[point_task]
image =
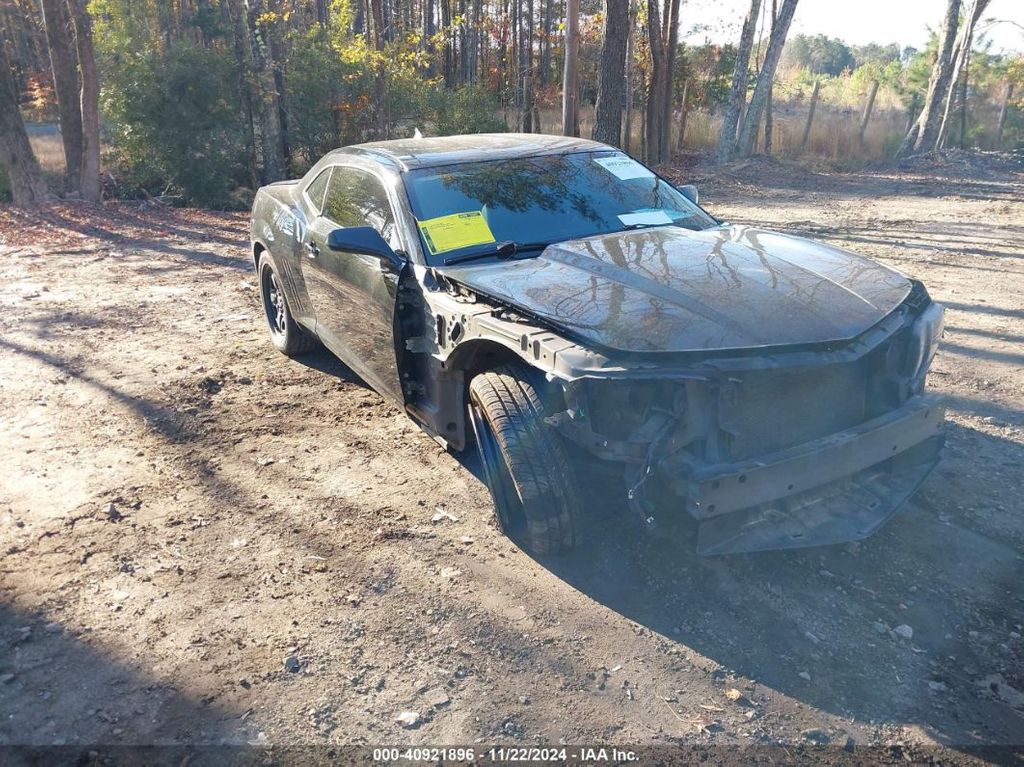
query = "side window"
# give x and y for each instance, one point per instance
(318, 189)
(358, 198)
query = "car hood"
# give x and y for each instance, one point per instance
(674, 290)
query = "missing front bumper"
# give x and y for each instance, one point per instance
(837, 489)
(839, 512)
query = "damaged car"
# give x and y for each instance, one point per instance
(563, 308)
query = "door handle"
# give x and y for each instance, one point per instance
(312, 250)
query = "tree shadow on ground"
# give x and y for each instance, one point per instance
(64, 689)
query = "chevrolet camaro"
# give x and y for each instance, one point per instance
(563, 307)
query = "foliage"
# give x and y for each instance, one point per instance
(327, 98)
(709, 69)
(174, 121)
(819, 54)
(469, 109)
(185, 91)
(873, 53)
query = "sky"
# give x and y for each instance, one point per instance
(855, 21)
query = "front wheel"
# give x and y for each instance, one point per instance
(535, 492)
(286, 334)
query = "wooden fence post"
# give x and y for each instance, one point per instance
(810, 115)
(867, 112)
(1007, 95)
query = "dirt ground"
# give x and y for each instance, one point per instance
(204, 542)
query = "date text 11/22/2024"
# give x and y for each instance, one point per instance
(503, 754)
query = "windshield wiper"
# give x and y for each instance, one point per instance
(632, 227)
(503, 250)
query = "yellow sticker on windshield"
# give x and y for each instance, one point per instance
(459, 230)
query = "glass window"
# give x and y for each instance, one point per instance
(316, 190)
(547, 198)
(357, 198)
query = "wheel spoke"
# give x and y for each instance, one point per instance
(274, 303)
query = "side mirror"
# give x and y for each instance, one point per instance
(364, 240)
(689, 191)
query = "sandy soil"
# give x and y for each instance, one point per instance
(205, 542)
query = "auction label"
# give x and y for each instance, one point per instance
(623, 167)
(459, 230)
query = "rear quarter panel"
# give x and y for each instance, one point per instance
(278, 226)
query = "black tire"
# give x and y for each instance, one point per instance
(288, 336)
(536, 496)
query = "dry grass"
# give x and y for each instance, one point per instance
(834, 133)
(48, 149)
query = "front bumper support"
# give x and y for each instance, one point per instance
(839, 488)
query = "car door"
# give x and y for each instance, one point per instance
(353, 295)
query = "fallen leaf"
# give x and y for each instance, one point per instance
(737, 697)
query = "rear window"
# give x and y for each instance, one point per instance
(317, 190)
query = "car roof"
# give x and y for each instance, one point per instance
(427, 152)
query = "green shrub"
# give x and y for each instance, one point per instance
(174, 121)
(321, 105)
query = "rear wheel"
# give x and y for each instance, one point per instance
(286, 334)
(535, 492)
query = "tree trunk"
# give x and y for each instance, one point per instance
(16, 158)
(463, 36)
(380, 99)
(66, 87)
(961, 57)
(654, 44)
(276, 57)
(611, 93)
(545, 53)
(570, 74)
(963, 99)
(90, 102)
(428, 34)
(684, 112)
(232, 18)
(922, 135)
(769, 125)
(662, 37)
(738, 91)
(627, 138)
(810, 115)
(474, 42)
(671, 31)
(866, 117)
(752, 119)
(961, 62)
(446, 26)
(270, 113)
(911, 113)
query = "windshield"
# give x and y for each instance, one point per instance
(530, 201)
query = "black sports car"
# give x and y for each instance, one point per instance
(556, 302)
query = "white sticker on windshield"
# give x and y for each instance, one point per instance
(645, 218)
(623, 167)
